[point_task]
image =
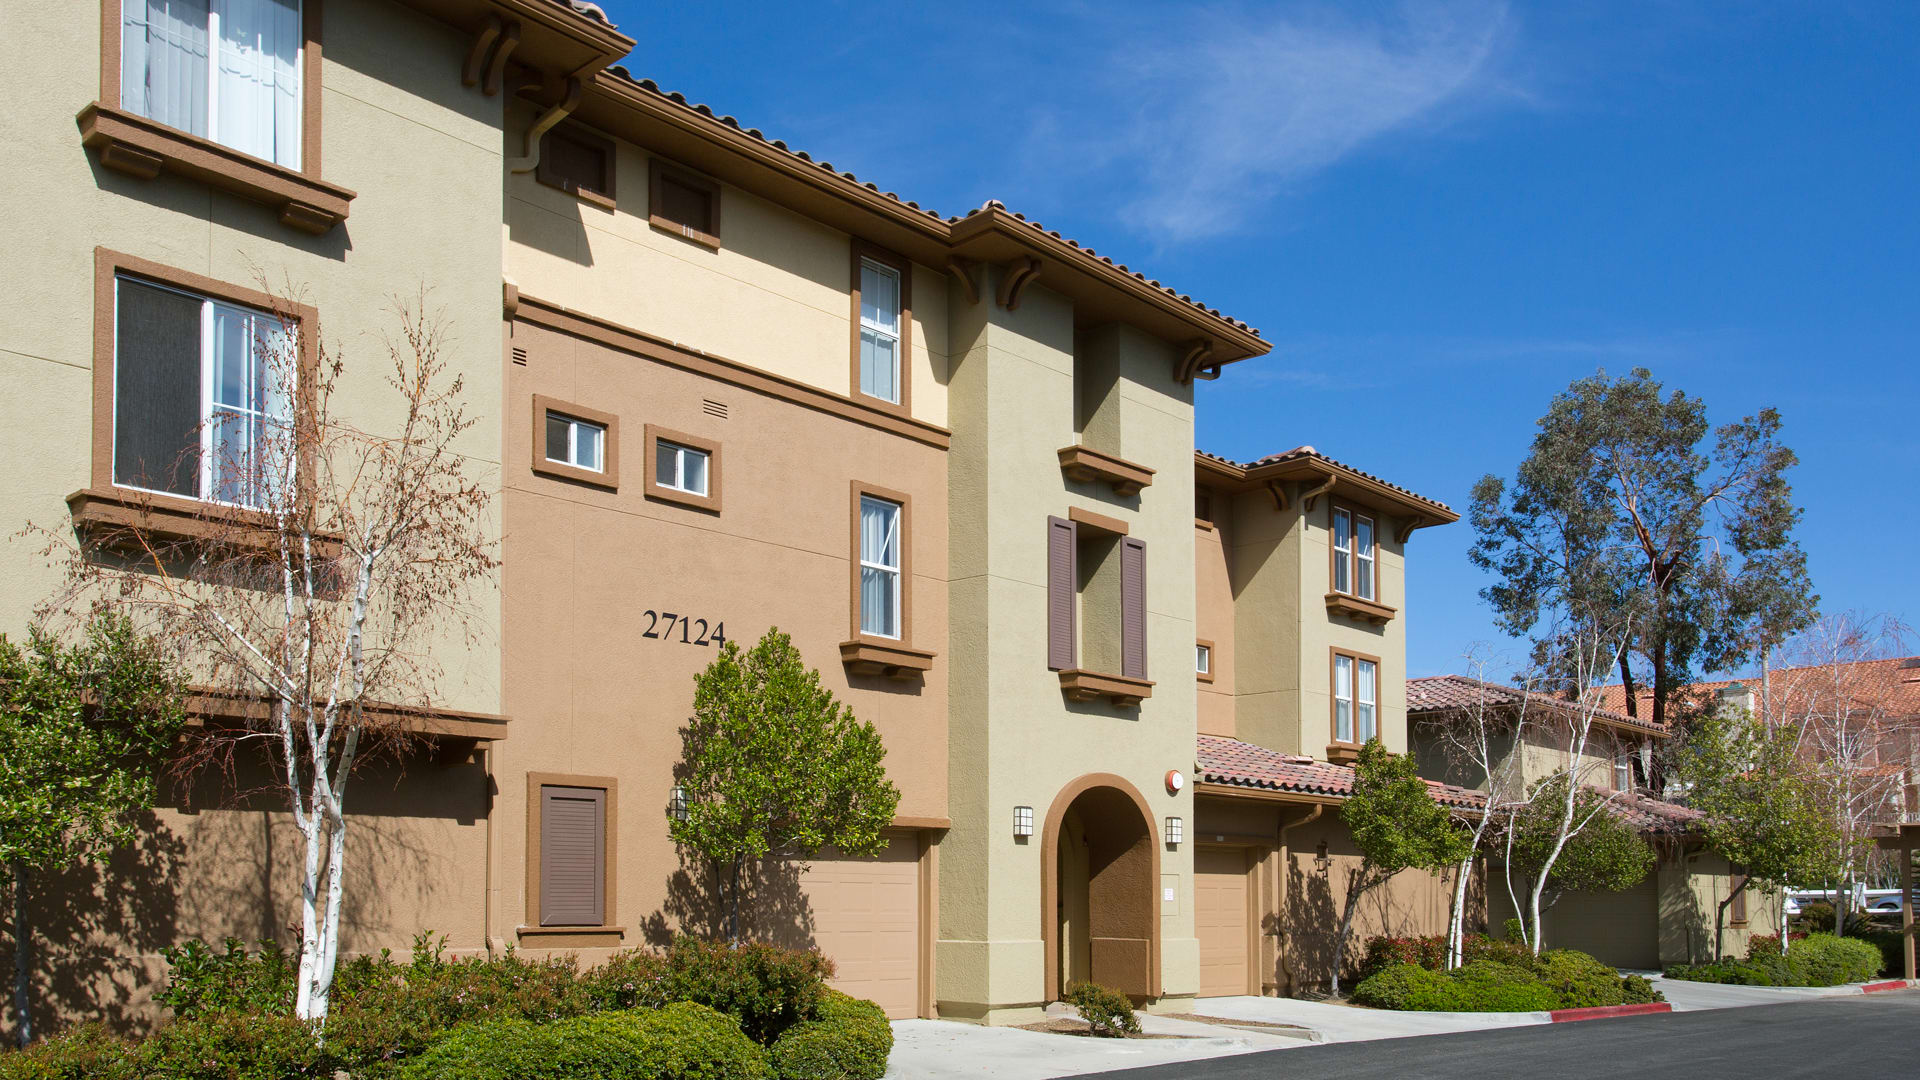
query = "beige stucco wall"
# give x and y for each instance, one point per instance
(775, 296)
(422, 154)
(1015, 739)
(1214, 620)
(592, 697)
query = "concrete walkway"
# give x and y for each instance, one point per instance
(946, 1049)
(1693, 996)
(1348, 1023)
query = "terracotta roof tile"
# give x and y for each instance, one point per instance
(1890, 687)
(1650, 815)
(1220, 760)
(1303, 453)
(1440, 693)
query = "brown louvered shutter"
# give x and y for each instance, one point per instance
(573, 825)
(1061, 588)
(1133, 608)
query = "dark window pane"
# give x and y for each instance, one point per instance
(557, 438)
(577, 164)
(156, 389)
(686, 205)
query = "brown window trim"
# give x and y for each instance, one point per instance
(545, 173)
(1089, 521)
(709, 502)
(658, 172)
(1737, 914)
(140, 147)
(1213, 655)
(560, 470)
(869, 653)
(562, 935)
(1086, 466)
(1361, 603)
(104, 503)
(1125, 691)
(1336, 749)
(861, 249)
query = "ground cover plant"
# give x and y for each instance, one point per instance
(695, 1010)
(1107, 1012)
(1406, 974)
(1817, 960)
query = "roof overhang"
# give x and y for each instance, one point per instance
(1319, 476)
(547, 36)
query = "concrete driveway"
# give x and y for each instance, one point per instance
(946, 1049)
(1693, 996)
(1348, 1023)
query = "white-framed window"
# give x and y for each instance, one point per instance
(202, 396)
(576, 442)
(879, 567)
(1355, 697)
(1353, 554)
(681, 468)
(225, 70)
(1623, 771)
(879, 330)
(1202, 660)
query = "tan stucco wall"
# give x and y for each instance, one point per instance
(422, 153)
(1214, 621)
(591, 696)
(1015, 740)
(775, 296)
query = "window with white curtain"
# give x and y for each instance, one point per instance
(1353, 554)
(879, 567)
(1342, 549)
(879, 331)
(1343, 699)
(202, 406)
(226, 70)
(1365, 681)
(1356, 684)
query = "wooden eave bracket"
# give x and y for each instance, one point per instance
(1407, 525)
(1124, 691)
(888, 661)
(1020, 274)
(138, 147)
(1193, 363)
(964, 275)
(1084, 466)
(1358, 608)
(1278, 489)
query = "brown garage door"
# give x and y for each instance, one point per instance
(866, 919)
(1220, 919)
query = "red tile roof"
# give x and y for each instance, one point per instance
(1220, 760)
(1308, 453)
(1890, 687)
(1443, 693)
(1656, 816)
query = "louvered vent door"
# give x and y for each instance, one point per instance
(573, 827)
(1133, 608)
(1062, 589)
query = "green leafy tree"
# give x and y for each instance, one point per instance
(1602, 851)
(1397, 826)
(775, 768)
(1621, 507)
(1763, 804)
(84, 732)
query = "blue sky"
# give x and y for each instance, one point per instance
(1440, 213)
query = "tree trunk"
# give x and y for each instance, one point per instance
(1626, 685)
(1659, 662)
(303, 1006)
(1456, 923)
(1720, 921)
(22, 957)
(330, 929)
(733, 904)
(1355, 878)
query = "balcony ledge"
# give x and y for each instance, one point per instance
(126, 519)
(1357, 608)
(1082, 685)
(137, 146)
(892, 661)
(1084, 466)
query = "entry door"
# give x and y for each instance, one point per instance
(1220, 919)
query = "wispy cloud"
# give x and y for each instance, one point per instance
(1205, 118)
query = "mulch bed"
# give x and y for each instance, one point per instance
(1066, 1026)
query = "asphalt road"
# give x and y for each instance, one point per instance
(1874, 1037)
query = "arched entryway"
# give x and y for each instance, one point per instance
(1100, 896)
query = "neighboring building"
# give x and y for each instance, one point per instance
(1669, 917)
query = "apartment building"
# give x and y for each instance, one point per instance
(728, 388)
(1670, 916)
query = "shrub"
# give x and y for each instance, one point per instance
(87, 1052)
(1831, 961)
(1638, 990)
(233, 1046)
(768, 989)
(1408, 988)
(1893, 957)
(1578, 981)
(849, 1040)
(1820, 960)
(1430, 952)
(1108, 1012)
(680, 1041)
(234, 980)
(1490, 986)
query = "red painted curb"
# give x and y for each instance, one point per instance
(1883, 987)
(1601, 1012)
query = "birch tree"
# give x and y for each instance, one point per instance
(327, 560)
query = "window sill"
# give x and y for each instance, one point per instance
(1343, 753)
(1354, 607)
(865, 656)
(1084, 466)
(1082, 685)
(685, 232)
(119, 518)
(560, 470)
(139, 147)
(562, 937)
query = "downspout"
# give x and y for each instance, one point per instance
(486, 891)
(1286, 873)
(553, 115)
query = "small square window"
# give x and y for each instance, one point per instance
(683, 204)
(577, 162)
(576, 442)
(1203, 660)
(681, 468)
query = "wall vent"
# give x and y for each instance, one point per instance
(520, 356)
(714, 408)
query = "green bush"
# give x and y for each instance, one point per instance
(1108, 1012)
(1408, 988)
(1578, 981)
(1893, 958)
(768, 989)
(683, 1041)
(1430, 952)
(87, 1052)
(1491, 986)
(1818, 960)
(233, 1046)
(1832, 961)
(849, 1039)
(1638, 990)
(1557, 979)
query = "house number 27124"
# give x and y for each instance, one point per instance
(660, 626)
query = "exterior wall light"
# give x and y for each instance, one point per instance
(1176, 831)
(1320, 857)
(677, 803)
(1023, 821)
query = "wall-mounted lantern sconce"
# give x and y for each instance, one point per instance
(1320, 858)
(677, 803)
(1023, 821)
(1176, 831)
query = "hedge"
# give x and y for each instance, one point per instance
(683, 1040)
(1558, 979)
(849, 1039)
(1818, 960)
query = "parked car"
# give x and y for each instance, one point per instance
(1886, 903)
